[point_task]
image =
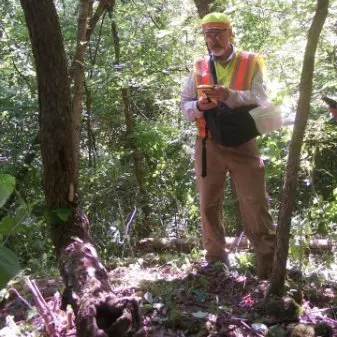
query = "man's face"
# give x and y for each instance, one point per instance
(218, 40)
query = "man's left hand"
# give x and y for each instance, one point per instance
(219, 93)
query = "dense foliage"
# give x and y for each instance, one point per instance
(157, 43)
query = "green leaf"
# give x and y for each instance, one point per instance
(6, 224)
(276, 331)
(63, 213)
(32, 313)
(334, 192)
(7, 186)
(148, 297)
(59, 215)
(9, 266)
(200, 314)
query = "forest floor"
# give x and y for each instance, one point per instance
(183, 298)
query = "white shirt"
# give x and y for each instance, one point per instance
(256, 95)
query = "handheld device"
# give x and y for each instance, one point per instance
(204, 89)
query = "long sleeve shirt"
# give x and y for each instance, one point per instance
(256, 94)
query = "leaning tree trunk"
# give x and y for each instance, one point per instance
(291, 176)
(98, 312)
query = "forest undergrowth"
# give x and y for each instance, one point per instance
(179, 296)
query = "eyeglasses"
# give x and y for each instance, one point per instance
(215, 35)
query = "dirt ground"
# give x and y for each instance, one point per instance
(188, 299)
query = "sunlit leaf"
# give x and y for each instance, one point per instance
(6, 224)
(262, 328)
(158, 306)
(148, 297)
(9, 265)
(63, 213)
(200, 314)
(7, 186)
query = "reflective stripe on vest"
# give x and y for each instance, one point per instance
(241, 77)
(243, 71)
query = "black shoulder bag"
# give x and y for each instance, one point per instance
(228, 127)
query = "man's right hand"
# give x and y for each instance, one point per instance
(204, 103)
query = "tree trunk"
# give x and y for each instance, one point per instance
(77, 73)
(98, 312)
(291, 176)
(203, 7)
(90, 134)
(84, 31)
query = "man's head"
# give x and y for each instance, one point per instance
(217, 32)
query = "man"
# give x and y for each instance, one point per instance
(240, 81)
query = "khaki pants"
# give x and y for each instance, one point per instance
(247, 171)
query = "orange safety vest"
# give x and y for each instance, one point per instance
(242, 67)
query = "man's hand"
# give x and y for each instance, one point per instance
(218, 93)
(212, 96)
(204, 103)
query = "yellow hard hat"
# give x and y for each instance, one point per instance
(215, 21)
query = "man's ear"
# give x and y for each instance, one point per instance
(231, 36)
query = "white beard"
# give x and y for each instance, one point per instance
(218, 52)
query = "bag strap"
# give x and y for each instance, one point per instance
(214, 79)
(203, 154)
(212, 69)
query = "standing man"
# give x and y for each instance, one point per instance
(239, 82)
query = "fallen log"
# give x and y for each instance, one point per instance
(187, 245)
(98, 311)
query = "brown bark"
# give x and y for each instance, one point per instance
(97, 310)
(84, 32)
(91, 137)
(104, 5)
(77, 72)
(203, 7)
(291, 176)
